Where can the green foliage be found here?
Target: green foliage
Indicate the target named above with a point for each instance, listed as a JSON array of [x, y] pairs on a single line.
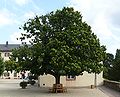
[[112, 66], [19, 58], [11, 65], [61, 44], [115, 72], [1, 65], [108, 64]]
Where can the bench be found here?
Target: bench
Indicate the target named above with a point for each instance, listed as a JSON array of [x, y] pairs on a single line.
[[58, 88]]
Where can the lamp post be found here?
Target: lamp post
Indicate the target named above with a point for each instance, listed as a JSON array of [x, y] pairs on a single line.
[[95, 81]]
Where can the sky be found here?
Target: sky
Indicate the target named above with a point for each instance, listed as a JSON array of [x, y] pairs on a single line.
[[102, 15]]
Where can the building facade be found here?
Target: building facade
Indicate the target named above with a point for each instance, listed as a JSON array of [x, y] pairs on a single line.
[[6, 51], [87, 79]]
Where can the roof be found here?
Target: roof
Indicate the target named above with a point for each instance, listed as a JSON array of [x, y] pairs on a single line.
[[8, 47]]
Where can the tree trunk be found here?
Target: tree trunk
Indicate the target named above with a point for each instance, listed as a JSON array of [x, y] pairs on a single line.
[[57, 79]]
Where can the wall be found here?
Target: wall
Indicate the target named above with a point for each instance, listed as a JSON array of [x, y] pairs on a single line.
[[81, 81], [112, 84]]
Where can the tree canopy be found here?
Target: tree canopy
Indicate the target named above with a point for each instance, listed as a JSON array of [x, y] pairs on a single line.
[[61, 44], [10, 65], [112, 66], [108, 64], [115, 72]]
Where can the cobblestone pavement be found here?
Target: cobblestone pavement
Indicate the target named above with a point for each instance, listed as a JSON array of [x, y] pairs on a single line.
[[11, 88]]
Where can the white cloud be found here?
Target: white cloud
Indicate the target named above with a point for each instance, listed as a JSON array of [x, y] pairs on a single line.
[[14, 36], [100, 15], [29, 15], [21, 2], [100, 25], [5, 17]]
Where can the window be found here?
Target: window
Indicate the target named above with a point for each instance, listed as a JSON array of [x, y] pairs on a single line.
[[70, 78], [15, 74], [7, 54], [29, 74], [6, 74]]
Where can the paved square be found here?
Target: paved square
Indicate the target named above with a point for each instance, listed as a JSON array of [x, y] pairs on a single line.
[[11, 88]]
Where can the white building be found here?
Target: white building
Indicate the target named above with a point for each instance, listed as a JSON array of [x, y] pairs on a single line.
[[5, 50], [72, 81], [48, 80]]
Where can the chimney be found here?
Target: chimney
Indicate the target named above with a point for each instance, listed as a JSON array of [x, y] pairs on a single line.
[[23, 43], [6, 43]]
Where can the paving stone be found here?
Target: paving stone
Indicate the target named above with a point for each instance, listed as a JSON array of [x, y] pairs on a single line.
[[11, 88]]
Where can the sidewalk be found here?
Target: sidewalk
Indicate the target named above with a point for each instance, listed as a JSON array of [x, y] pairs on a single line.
[[109, 92], [12, 89]]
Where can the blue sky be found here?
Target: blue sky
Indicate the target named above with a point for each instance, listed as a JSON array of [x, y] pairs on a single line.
[[102, 15]]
